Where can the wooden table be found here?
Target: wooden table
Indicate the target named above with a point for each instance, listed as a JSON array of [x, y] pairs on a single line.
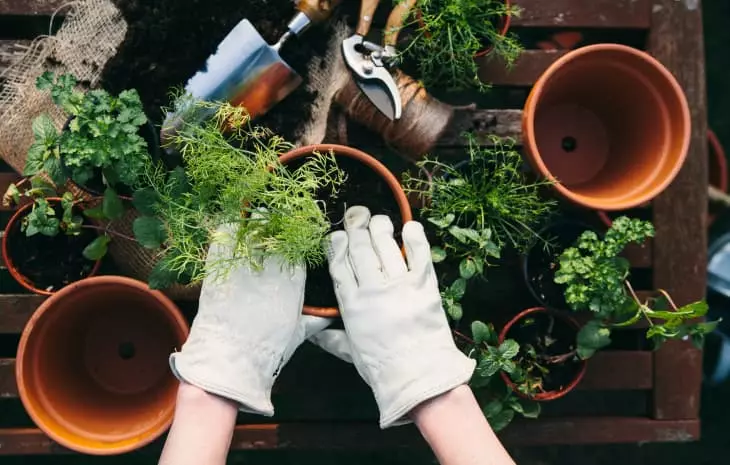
[[628, 395]]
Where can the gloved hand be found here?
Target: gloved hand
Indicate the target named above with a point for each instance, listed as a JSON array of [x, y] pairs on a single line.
[[399, 337], [247, 327]]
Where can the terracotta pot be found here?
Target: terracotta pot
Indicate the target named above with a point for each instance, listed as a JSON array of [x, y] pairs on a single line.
[[370, 162], [92, 365], [504, 28], [609, 125], [717, 174], [12, 228], [550, 395]]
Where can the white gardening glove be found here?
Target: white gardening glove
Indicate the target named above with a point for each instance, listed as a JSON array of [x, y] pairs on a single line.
[[399, 337], [247, 327]]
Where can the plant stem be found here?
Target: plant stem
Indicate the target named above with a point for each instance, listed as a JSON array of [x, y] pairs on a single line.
[[467, 339], [109, 231], [556, 359]]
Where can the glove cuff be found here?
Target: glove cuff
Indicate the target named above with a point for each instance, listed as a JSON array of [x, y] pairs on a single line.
[[242, 383], [420, 378]]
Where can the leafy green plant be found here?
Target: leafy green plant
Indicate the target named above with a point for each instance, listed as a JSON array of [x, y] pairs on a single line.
[[478, 209], [596, 280], [499, 403], [102, 137], [451, 32], [43, 218], [239, 195]]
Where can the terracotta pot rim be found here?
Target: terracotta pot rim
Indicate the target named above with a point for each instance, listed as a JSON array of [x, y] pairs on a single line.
[[536, 95], [717, 152], [368, 160], [546, 396], [506, 22], [14, 271], [48, 305]]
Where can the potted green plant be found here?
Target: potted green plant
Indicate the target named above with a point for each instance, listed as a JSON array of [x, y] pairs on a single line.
[[101, 148], [50, 242], [452, 33], [499, 403], [596, 280], [478, 208]]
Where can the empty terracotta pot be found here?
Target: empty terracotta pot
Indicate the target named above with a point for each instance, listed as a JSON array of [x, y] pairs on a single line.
[[609, 125], [92, 365]]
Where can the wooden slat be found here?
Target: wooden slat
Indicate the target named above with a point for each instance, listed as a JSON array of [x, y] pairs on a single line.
[[640, 256], [363, 436], [632, 14], [30, 7], [619, 370], [502, 123], [524, 72], [8, 387], [15, 310], [680, 245]]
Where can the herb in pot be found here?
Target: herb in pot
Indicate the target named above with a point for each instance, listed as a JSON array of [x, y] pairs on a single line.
[[452, 32], [270, 209], [102, 143], [596, 280]]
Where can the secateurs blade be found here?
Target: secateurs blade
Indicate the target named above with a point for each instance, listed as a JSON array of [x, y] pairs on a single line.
[[369, 62]]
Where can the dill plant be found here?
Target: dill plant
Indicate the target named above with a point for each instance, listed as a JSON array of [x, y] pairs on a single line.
[[233, 190]]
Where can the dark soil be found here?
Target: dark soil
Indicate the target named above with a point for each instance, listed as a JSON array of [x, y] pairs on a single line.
[[50, 263], [540, 264], [550, 336], [363, 187], [168, 41]]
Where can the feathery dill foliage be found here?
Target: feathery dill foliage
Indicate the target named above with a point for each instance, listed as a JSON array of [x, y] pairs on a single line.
[[489, 195], [239, 195]]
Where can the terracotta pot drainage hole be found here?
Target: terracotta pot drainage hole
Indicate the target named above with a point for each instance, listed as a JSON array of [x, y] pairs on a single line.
[[126, 350]]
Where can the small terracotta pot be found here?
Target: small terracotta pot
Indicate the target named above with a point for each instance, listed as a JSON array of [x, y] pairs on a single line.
[[370, 162], [13, 268], [544, 396], [92, 365], [717, 174], [505, 25], [609, 125]]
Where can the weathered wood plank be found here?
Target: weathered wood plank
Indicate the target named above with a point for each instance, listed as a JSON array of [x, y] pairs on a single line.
[[8, 386], [364, 436], [631, 14], [619, 370], [30, 7], [483, 123], [15, 311], [524, 72], [680, 245]]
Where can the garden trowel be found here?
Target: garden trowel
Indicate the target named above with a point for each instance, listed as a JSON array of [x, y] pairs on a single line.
[[245, 70]]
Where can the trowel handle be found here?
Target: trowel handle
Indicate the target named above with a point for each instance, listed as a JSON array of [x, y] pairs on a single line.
[[317, 10], [367, 10], [395, 21]]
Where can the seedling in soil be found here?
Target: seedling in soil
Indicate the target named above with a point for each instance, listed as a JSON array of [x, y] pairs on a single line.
[[596, 280]]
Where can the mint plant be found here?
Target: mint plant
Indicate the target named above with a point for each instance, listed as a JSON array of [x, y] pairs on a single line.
[[498, 402], [102, 137], [596, 280]]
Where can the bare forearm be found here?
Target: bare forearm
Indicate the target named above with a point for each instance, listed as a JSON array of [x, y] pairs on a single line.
[[201, 430], [455, 428]]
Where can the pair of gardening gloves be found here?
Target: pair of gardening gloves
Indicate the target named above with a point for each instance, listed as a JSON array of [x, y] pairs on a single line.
[[396, 333]]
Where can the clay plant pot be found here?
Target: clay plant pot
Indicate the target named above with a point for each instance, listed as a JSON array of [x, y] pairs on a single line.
[[609, 125], [35, 262], [504, 26], [571, 371], [717, 174], [92, 365], [539, 265], [368, 162]]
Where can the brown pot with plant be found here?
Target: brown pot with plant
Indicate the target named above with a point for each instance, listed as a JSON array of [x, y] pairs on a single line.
[[92, 365], [547, 363], [368, 182], [609, 124], [49, 243]]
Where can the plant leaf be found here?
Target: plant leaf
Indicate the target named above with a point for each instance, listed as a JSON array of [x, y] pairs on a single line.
[[97, 248], [467, 268], [149, 231], [96, 213], [593, 336], [464, 235], [502, 419], [509, 349], [530, 408], [480, 332], [455, 311], [161, 277], [43, 128], [493, 408], [145, 199], [112, 205], [444, 222], [458, 288], [488, 367], [438, 254]]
